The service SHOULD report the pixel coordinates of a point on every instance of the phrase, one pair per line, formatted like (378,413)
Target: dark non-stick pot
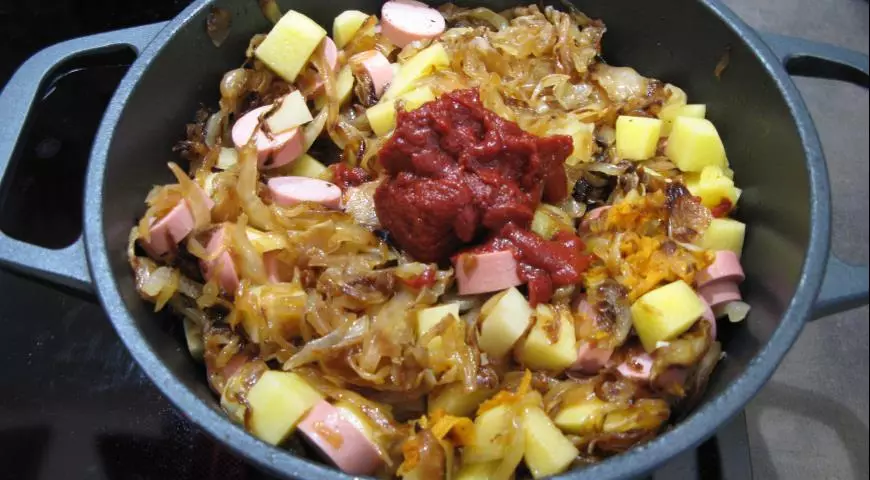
(771,141)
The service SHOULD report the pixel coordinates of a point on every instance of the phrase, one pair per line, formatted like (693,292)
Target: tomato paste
(457,172)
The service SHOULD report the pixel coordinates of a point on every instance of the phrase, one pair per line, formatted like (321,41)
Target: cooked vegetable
(423,63)
(713,186)
(665,312)
(278,401)
(504,319)
(430,317)
(291,42)
(382,117)
(307,166)
(548,452)
(584,416)
(637,137)
(724,234)
(454,399)
(550,344)
(694,144)
(669,113)
(550,219)
(489,442)
(227,158)
(476,471)
(291,113)
(343,88)
(345,26)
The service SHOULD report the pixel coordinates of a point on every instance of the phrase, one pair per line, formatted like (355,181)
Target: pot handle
(844,286)
(66,266)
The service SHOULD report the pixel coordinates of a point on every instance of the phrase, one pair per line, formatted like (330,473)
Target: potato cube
(382,117)
(694,144)
(583,136)
(307,166)
(724,234)
(343,88)
(550,219)
(429,317)
(582,418)
(292,113)
(637,137)
(548,452)
(477,471)
(489,436)
(670,112)
(456,401)
(432,58)
(713,186)
(505,317)
(665,313)
(278,401)
(538,351)
(345,26)
(287,48)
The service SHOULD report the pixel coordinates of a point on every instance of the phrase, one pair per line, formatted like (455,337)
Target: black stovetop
(73,403)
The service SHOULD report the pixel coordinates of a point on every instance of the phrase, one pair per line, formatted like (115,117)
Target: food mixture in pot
(446,243)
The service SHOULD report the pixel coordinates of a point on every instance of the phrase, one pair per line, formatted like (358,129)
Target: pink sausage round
(339,440)
(289,191)
(720,293)
(174,227)
(404,21)
(637,368)
(280,150)
(709,317)
(486,272)
(221,266)
(592,215)
(378,68)
(726,267)
(591,359)
(331,52)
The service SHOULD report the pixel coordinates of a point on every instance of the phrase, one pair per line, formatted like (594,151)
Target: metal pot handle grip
(845,286)
(66,266)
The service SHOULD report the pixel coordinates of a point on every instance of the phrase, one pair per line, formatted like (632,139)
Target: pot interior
(677,41)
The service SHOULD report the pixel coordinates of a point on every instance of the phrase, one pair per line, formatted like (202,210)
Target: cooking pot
(772,146)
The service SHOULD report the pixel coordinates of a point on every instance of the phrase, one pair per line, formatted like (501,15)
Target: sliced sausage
(726,267)
(404,21)
(709,317)
(339,440)
(592,215)
(486,272)
(276,270)
(289,191)
(720,293)
(175,226)
(272,151)
(638,367)
(221,266)
(591,359)
(331,52)
(377,67)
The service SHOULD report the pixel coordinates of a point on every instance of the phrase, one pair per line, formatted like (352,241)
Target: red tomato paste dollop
(458,173)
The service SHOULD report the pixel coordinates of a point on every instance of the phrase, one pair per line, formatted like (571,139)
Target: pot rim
(690,432)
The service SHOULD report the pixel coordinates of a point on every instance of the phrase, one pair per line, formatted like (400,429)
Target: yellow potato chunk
(477,471)
(724,234)
(227,158)
(539,351)
(382,117)
(287,48)
(429,317)
(694,144)
(343,88)
(489,436)
(292,113)
(307,166)
(550,219)
(637,137)
(713,186)
(548,452)
(432,58)
(669,113)
(345,26)
(582,418)
(665,313)
(278,401)
(456,401)
(505,317)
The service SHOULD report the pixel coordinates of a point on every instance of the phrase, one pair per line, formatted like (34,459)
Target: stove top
(74,403)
